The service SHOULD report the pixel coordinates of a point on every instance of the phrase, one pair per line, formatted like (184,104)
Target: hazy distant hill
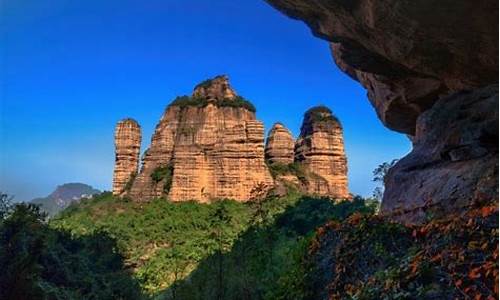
(63,196)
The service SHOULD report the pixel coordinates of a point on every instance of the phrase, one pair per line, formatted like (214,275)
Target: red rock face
(414,57)
(127,150)
(214,150)
(320,149)
(279,145)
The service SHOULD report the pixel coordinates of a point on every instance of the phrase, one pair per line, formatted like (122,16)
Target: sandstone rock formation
(207,146)
(409,55)
(406,53)
(127,151)
(279,145)
(320,149)
(454,161)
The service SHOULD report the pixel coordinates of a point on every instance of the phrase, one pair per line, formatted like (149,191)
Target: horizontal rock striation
(207,146)
(280,145)
(420,62)
(127,151)
(320,150)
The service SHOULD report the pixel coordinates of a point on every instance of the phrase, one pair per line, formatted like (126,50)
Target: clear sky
(71,69)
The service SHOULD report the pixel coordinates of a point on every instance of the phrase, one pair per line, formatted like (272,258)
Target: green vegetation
(40,262)
(130,182)
(294,168)
(271,248)
(186,101)
(165,242)
(452,258)
(163,173)
(264,262)
(322,114)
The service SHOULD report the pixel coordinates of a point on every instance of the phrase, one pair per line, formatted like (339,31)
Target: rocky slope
(320,149)
(409,55)
(63,196)
(207,146)
(128,147)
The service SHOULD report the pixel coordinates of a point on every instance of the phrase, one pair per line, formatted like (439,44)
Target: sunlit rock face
(209,145)
(279,145)
(127,151)
(420,61)
(320,149)
(454,161)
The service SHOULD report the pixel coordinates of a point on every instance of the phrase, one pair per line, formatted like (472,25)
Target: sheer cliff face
(320,149)
(416,59)
(279,145)
(212,147)
(127,145)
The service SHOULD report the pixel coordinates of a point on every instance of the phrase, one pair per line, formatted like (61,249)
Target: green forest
(112,248)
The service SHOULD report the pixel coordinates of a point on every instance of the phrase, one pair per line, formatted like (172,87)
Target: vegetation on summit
(237,102)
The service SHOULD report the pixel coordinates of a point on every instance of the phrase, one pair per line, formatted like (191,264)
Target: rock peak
(217,88)
(320,148)
(129,121)
(319,118)
(279,145)
(127,150)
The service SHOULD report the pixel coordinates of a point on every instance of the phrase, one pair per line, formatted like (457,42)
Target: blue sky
(71,69)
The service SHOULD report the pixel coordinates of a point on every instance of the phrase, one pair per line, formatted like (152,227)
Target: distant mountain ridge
(64,195)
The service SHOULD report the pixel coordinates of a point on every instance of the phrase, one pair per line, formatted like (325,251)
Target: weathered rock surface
(279,145)
(406,53)
(454,161)
(413,57)
(214,148)
(127,151)
(217,88)
(320,150)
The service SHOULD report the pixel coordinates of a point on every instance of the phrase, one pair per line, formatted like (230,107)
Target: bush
(370,257)
(39,262)
(165,174)
(165,242)
(294,168)
(186,101)
(322,114)
(130,182)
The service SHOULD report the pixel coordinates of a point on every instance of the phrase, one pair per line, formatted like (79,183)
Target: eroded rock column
(320,149)
(127,151)
(279,145)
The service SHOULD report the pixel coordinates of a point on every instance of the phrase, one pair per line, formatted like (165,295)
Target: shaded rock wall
(279,145)
(127,151)
(413,57)
(454,161)
(406,52)
(320,149)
